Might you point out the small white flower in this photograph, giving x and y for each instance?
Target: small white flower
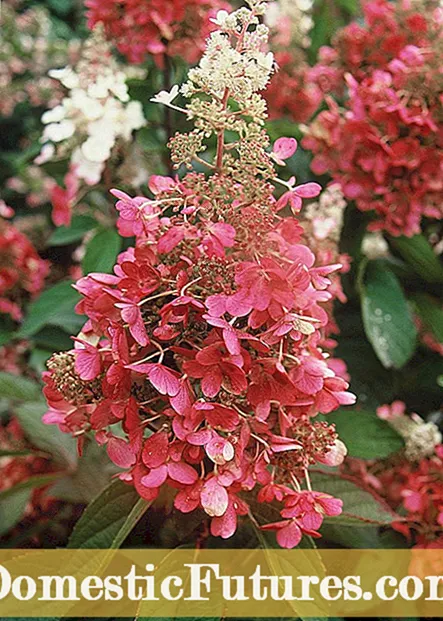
(97, 149)
(66, 76)
(57, 132)
(55, 115)
(220, 19)
(46, 154)
(90, 172)
(166, 97)
(133, 118)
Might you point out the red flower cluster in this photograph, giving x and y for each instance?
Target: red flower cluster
(385, 146)
(292, 92)
(419, 489)
(203, 346)
(142, 28)
(388, 28)
(22, 271)
(411, 482)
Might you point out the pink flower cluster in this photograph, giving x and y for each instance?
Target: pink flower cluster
(385, 146)
(22, 271)
(203, 349)
(142, 28)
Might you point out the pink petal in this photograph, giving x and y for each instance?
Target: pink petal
(158, 184)
(214, 498)
(120, 453)
(156, 477)
(289, 536)
(226, 525)
(155, 449)
(308, 190)
(284, 148)
(211, 383)
(87, 363)
(199, 438)
(164, 380)
(182, 473)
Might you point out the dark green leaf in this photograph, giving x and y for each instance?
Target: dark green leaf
(418, 253)
(47, 438)
(431, 313)
(18, 388)
(6, 330)
(101, 252)
(109, 519)
(64, 235)
(38, 359)
(386, 316)
(53, 338)
(359, 506)
(54, 307)
(365, 435)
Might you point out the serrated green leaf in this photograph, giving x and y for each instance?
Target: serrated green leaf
(359, 506)
(386, 316)
(54, 307)
(65, 235)
(365, 435)
(109, 519)
(47, 438)
(101, 252)
(418, 253)
(18, 388)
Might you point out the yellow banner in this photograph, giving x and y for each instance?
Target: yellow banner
(221, 583)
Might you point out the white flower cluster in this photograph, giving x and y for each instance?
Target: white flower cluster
(327, 214)
(90, 121)
(242, 70)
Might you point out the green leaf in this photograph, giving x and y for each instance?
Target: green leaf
(13, 501)
(47, 438)
(12, 509)
(101, 252)
(430, 312)
(359, 506)
(109, 519)
(6, 330)
(94, 472)
(365, 435)
(18, 388)
(54, 307)
(53, 338)
(12, 453)
(386, 316)
(418, 253)
(65, 235)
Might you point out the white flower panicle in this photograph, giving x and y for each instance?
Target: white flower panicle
(94, 116)
(223, 94)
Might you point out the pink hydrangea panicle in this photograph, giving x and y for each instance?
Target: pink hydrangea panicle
(204, 348)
